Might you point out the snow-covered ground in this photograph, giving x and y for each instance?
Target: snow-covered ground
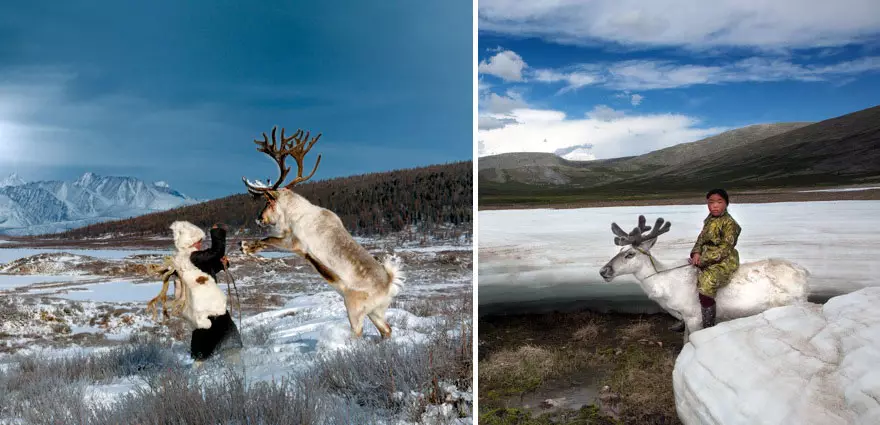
(9, 254)
(842, 189)
(556, 254)
(52, 311)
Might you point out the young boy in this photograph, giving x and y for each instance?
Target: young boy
(715, 252)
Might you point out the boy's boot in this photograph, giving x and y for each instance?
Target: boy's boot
(708, 316)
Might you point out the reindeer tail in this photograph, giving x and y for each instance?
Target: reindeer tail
(396, 277)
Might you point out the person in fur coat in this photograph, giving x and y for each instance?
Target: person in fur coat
(206, 306)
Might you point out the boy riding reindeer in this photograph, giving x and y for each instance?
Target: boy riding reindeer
(318, 235)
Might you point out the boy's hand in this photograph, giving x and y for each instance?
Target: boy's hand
(225, 261)
(695, 259)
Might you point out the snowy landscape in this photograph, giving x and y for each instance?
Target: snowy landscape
(554, 255)
(77, 346)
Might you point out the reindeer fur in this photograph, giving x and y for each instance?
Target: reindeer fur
(318, 235)
(755, 287)
(203, 297)
(167, 272)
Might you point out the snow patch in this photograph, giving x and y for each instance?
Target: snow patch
(806, 364)
(527, 255)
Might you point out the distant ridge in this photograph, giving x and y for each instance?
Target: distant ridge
(838, 151)
(437, 199)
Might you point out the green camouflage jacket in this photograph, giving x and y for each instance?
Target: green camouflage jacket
(717, 240)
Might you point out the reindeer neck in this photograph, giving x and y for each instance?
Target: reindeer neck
(647, 269)
(296, 206)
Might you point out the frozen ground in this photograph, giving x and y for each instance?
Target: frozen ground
(553, 256)
(60, 302)
(845, 189)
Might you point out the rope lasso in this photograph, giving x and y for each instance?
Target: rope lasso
(229, 280)
(654, 265)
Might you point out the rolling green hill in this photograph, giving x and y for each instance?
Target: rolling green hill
(842, 150)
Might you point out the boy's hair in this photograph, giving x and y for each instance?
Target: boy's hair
(720, 192)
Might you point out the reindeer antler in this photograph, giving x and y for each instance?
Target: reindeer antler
(636, 237)
(279, 153)
(299, 151)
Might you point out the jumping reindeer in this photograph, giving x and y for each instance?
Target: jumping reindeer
(318, 235)
(757, 286)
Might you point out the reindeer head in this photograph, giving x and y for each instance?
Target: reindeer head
(296, 147)
(630, 259)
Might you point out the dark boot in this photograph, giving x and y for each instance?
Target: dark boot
(708, 316)
(677, 327)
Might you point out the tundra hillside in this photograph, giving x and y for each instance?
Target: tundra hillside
(768, 157)
(428, 199)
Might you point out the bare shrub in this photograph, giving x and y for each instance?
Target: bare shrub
(175, 397)
(50, 389)
(257, 335)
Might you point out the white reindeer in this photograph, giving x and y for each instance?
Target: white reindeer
(318, 235)
(755, 287)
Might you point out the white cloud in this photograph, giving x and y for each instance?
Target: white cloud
(636, 99)
(647, 75)
(502, 104)
(506, 65)
(610, 133)
(573, 80)
(664, 74)
(490, 122)
(604, 113)
(780, 24)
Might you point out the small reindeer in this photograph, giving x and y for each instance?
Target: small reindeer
(318, 235)
(757, 286)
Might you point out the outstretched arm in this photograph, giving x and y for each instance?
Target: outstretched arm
(729, 235)
(211, 260)
(286, 241)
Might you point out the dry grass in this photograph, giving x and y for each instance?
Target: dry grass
(510, 372)
(637, 330)
(527, 368)
(545, 354)
(643, 379)
(588, 332)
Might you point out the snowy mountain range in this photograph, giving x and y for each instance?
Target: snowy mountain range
(582, 152)
(28, 208)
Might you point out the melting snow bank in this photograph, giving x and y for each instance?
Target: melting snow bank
(805, 364)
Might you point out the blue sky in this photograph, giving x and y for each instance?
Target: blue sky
(610, 78)
(177, 91)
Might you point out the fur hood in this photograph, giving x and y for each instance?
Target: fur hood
(186, 234)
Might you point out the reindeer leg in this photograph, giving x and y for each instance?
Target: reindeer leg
(151, 305)
(377, 316)
(254, 247)
(180, 300)
(354, 305)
